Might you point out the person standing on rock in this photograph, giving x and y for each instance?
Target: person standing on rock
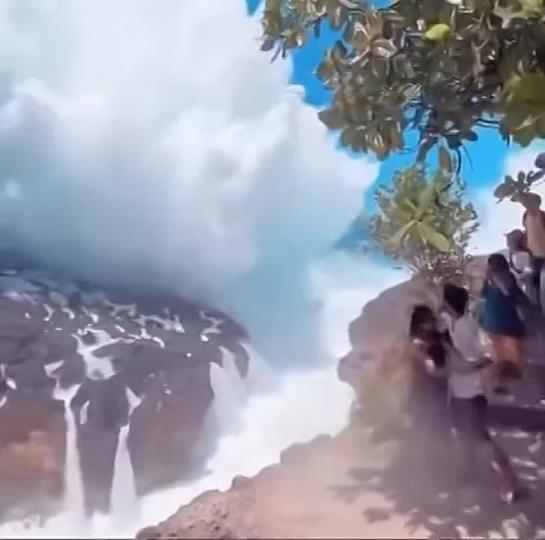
(533, 221)
(500, 316)
(467, 363)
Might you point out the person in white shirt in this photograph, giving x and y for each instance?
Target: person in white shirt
(466, 368)
(521, 263)
(533, 221)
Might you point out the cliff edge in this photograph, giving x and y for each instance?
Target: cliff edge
(367, 482)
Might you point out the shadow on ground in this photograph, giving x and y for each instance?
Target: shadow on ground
(423, 483)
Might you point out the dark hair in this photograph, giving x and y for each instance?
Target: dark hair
(421, 315)
(497, 262)
(456, 297)
(438, 353)
(434, 341)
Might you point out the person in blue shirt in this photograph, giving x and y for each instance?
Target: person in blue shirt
(500, 315)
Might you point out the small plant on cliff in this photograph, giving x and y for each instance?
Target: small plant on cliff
(424, 222)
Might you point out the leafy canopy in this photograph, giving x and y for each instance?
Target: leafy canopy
(424, 222)
(442, 67)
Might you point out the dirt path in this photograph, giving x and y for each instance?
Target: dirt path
(324, 493)
(348, 487)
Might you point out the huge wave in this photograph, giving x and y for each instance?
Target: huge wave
(154, 143)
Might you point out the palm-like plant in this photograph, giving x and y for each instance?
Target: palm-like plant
(424, 222)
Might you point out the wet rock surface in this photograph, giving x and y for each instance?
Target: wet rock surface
(148, 354)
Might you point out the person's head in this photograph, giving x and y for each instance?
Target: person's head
(497, 264)
(455, 300)
(424, 328)
(498, 270)
(516, 240)
(423, 322)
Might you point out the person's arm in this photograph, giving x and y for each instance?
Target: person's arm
(433, 370)
(484, 362)
(520, 298)
(516, 293)
(458, 363)
(522, 262)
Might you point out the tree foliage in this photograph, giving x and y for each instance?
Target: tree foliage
(442, 67)
(512, 188)
(424, 222)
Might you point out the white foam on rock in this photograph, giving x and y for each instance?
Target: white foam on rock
(124, 501)
(298, 407)
(96, 367)
(215, 323)
(229, 389)
(73, 479)
(125, 506)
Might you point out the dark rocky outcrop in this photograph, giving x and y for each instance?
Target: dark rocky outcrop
(149, 353)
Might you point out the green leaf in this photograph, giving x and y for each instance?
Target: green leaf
(332, 118)
(532, 8)
(349, 4)
(267, 44)
(438, 32)
(433, 238)
(351, 138)
(540, 161)
(528, 89)
(383, 48)
(503, 191)
(425, 198)
(397, 239)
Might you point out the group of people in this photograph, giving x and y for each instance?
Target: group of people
(474, 346)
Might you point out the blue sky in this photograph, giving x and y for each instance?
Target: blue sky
(487, 155)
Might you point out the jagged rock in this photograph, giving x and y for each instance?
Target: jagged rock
(212, 515)
(148, 353)
(239, 482)
(149, 533)
(371, 338)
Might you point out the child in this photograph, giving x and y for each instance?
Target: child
(500, 317)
